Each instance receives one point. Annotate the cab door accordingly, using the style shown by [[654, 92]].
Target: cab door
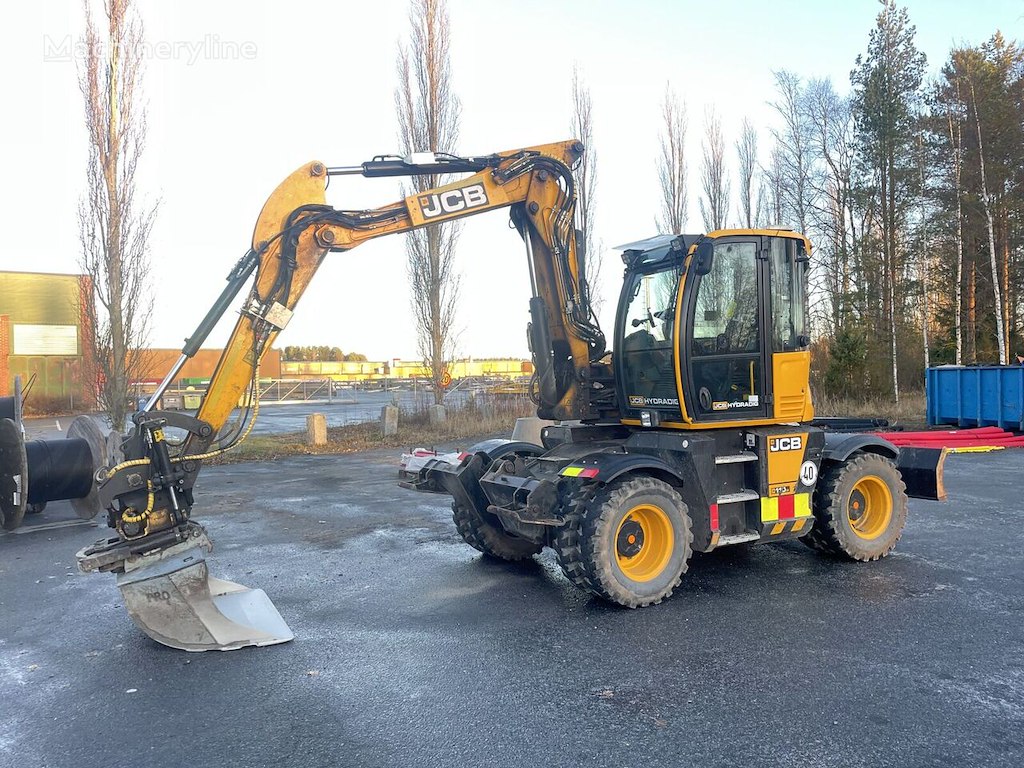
[[790, 363], [724, 353]]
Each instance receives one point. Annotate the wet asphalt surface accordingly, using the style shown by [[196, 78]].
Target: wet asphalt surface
[[412, 650]]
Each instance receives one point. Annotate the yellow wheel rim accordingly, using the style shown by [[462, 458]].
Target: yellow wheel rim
[[643, 542], [869, 507]]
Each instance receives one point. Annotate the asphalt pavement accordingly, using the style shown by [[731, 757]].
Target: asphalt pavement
[[413, 650]]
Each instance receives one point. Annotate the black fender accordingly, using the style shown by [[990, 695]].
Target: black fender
[[920, 468], [499, 448], [611, 466], [840, 446]]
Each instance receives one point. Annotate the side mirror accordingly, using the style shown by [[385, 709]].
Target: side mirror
[[703, 257]]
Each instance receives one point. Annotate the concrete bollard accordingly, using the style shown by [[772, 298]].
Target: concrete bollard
[[316, 429], [436, 414], [389, 420], [528, 429]]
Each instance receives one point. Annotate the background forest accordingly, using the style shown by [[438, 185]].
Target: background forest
[[912, 192]]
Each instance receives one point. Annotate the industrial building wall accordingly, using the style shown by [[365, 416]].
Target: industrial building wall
[[157, 362], [403, 369], [44, 335]]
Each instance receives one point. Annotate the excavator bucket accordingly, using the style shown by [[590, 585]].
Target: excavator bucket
[[171, 596]]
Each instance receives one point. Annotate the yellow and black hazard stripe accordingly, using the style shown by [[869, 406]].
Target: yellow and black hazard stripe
[[786, 514]]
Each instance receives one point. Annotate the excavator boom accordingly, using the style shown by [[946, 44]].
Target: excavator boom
[[159, 549]]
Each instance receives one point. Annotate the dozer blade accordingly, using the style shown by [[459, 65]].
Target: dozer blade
[[172, 598], [921, 469]]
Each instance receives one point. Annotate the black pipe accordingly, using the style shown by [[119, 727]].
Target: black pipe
[[58, 469]]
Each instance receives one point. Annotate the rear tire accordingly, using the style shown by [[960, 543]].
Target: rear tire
[[491, 539], [567, 545], [635, 541], [860, 508]]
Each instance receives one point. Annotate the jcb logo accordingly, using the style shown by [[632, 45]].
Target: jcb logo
[[452, 201], [786, 444]]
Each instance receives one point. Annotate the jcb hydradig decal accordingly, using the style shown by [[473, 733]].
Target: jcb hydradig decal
[[452, 201], [641, 401]]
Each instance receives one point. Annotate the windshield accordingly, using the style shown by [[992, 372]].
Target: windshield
[[646, 353]]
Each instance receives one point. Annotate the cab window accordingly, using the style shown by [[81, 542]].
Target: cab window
[[787, 294], [725, 321]]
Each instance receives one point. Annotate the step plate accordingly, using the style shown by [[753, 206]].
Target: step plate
[[736, 458], [734, 498], [739, 538]]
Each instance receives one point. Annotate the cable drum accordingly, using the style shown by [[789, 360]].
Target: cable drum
[[85, 428], [35, 472], [9, 408], [58, 469], [13, 475]]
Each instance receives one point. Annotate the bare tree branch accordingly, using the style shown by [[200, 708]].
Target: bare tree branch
[[428, 120], [114, 228], [793, 143], [746, 152], [672, 165], [714, 204], [585, 173]]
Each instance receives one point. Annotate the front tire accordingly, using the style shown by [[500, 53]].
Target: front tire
[[860, 508], [635, 541]]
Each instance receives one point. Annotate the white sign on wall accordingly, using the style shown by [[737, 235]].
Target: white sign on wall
[[45, 340]]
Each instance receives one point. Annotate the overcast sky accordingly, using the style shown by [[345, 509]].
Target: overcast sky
[[241, 94]]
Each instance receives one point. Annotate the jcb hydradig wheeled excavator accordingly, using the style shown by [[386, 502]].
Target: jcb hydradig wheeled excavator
[[694, 434]]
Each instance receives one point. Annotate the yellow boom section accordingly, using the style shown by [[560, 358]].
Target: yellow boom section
[[549, 229]]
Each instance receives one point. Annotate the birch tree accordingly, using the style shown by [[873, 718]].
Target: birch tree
[[956, 164], [986, 202]]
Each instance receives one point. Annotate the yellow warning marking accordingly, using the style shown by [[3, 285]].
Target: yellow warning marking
[[571, 471], [799, 524], [802, 507], [769, 509], [778, 528], [976, 449]]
